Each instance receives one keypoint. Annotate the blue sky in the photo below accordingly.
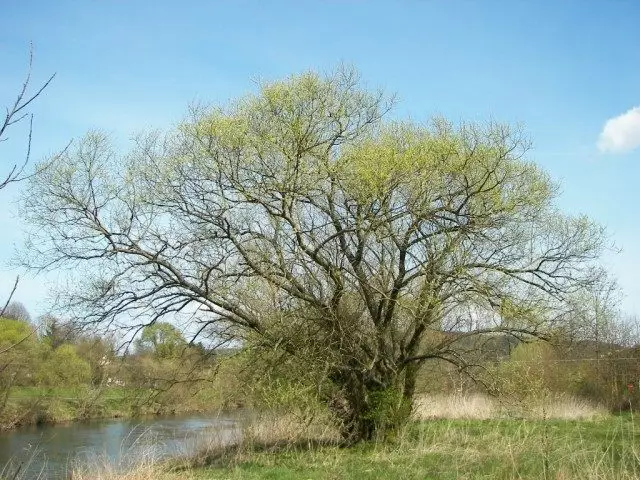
(561, 69)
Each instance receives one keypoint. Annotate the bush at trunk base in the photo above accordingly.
(375, 414)
(389, 411)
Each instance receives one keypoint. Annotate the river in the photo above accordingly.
(49, 452)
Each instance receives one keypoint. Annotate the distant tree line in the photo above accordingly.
(60, 360)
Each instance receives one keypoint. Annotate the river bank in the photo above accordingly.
(26, 406)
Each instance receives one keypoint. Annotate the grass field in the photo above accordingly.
(452, 449)
(606, 447)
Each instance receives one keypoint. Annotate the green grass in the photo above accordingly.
(452, 449)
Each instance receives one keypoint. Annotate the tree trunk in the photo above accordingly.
(367, 409)
(410, 378)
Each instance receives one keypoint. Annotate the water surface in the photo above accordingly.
(51, 451)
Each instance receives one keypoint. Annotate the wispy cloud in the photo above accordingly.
(622, 133)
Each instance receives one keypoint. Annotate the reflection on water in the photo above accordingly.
(55, 449)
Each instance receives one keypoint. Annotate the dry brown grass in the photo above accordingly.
(478, 407)
(286, 428)
(150, 471)
(565, 407)
(482, 407)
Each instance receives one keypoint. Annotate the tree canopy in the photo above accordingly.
(162, 339)
(302, 220)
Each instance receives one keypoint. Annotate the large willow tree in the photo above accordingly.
(301, 219)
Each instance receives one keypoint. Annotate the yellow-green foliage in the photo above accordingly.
(13, 331)
(20, 352)
(423, 163)
(534, 371)
(64, 367)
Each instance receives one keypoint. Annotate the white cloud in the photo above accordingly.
(622, 133)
